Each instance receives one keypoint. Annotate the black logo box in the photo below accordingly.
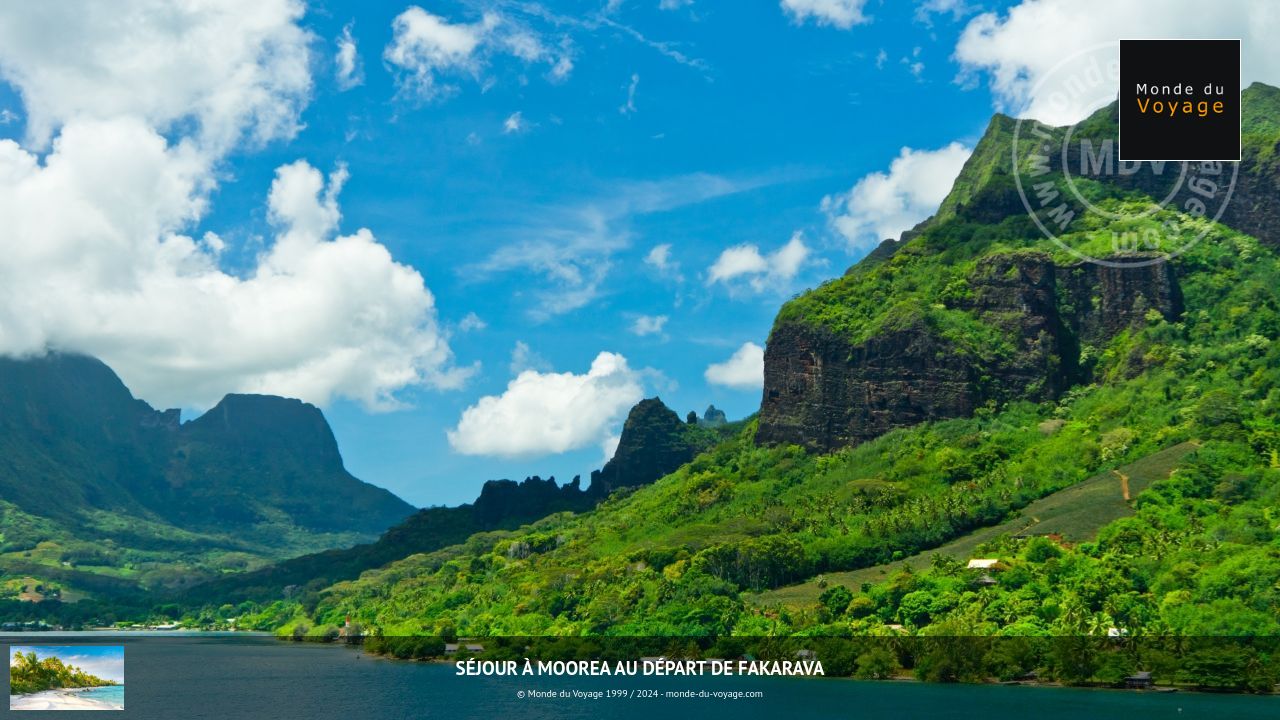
(1190, 64)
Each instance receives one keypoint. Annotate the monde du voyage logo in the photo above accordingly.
(1140, 181)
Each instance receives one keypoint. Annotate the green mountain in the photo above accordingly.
(940, 387)
(101, 493)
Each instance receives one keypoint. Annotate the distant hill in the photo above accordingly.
(94, 482)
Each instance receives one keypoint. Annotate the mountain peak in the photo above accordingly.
(654, 442)
(270, 421)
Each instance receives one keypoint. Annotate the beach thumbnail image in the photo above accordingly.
(66, 677)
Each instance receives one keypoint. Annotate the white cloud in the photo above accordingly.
(542, 413)
(761, 271)
(673, 4)
(562, 68)
(513, 124)
(425, 46)
(648, 325)
(629, 106)
(882, 205)
(843, 14)
(1018, 50)
(659, 257)
(471, 322)
(955, 8)
(7, 116)
(95, 257)
(348, 70)
(235, 68)
(744, 370)
(429, 52)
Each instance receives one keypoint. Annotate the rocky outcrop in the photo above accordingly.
(713, 417)
(824, 392)
(503, 501)
(1103, 300)
(654, 442)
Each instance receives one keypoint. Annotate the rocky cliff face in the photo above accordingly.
(824, 392)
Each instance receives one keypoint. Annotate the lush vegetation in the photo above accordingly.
(1198, 554)
(29, 674)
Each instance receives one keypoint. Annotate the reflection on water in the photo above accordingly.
(230, 678)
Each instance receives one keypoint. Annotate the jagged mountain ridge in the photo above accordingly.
(654, 442)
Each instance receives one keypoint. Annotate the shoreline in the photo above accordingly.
(60, 699)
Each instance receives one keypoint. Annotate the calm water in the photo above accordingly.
(229, 678)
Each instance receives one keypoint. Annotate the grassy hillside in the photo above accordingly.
(1071, 515)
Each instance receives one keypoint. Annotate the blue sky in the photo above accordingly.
(700, 128)
(791, 124)
(476, 231)
(104, 661)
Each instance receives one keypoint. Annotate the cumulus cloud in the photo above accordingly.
(348, 70)
(234, 68)
(744, 370)
(546, 412)
(843, 14)
(429, 52)
(648, 325)
(96, 255)
(760, 271)
(882, 205)
(1017, 50)
(514, 123)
